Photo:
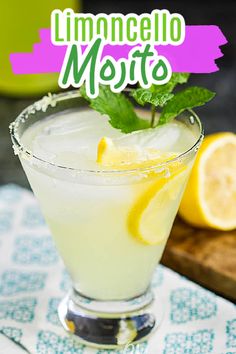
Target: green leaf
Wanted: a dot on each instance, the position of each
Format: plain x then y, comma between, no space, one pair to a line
180,78
160,99
176,78
189,98
158,95
119,109
143,96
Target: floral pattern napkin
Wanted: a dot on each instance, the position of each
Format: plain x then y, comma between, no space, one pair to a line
33,280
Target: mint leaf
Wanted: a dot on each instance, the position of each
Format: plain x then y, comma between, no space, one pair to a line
143,96
189,98
176,78
159,99
180,78
158,95
119,109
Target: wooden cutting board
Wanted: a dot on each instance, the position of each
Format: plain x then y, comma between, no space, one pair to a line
204,256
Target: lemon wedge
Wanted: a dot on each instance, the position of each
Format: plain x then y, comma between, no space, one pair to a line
110,154
150,218
210,197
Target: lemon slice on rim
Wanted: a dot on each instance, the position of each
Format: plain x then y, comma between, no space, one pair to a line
210,197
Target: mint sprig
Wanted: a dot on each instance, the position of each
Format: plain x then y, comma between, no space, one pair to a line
123,116
118,107
159,95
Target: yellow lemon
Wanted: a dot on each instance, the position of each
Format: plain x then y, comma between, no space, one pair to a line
150,218
210,197
110,154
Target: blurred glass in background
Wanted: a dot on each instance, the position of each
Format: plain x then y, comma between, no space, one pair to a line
19,30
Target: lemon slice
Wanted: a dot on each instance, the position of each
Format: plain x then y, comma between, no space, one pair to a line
150,219
210,196
110,154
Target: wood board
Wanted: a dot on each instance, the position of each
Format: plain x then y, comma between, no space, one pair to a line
207,257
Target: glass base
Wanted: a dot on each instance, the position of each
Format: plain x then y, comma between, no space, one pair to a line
110,324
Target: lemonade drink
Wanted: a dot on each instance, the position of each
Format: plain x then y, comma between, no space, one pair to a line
91,214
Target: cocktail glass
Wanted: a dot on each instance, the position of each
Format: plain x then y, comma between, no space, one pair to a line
94,216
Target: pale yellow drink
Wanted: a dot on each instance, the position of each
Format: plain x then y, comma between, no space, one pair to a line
92,214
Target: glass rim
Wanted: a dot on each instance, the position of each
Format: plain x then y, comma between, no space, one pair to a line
51,100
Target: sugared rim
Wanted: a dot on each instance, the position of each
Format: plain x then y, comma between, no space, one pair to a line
51,100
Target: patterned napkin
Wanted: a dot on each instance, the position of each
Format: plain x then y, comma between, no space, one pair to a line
33,280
